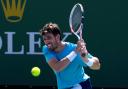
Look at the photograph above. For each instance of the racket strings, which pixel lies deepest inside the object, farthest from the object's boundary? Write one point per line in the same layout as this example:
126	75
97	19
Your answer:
76	20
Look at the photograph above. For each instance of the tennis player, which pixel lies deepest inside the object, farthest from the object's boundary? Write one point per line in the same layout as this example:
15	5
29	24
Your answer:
65	59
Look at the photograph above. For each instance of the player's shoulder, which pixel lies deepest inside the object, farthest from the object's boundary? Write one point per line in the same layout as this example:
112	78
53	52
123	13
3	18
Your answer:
69	44
45	49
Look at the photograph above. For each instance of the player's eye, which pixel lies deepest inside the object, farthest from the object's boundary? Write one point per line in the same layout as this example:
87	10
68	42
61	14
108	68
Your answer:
47	37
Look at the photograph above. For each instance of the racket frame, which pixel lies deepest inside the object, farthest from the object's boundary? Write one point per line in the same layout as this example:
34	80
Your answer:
78	33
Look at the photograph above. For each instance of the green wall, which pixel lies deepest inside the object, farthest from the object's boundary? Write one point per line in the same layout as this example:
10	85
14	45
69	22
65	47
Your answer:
105	32
107	38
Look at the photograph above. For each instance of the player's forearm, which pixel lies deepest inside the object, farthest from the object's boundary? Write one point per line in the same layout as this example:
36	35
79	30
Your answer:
62	64
93	63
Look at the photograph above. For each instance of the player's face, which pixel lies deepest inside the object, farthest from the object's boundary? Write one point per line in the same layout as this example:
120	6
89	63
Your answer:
51	41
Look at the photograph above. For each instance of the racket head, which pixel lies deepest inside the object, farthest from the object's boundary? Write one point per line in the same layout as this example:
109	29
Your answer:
75	19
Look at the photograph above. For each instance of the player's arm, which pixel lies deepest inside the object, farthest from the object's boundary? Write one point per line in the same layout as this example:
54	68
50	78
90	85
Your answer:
63	63
58	65
92	62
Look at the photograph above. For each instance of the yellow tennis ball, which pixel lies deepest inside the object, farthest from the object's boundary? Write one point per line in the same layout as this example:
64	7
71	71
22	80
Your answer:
35	71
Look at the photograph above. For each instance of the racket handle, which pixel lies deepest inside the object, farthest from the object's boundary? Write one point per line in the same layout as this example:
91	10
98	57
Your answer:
83	54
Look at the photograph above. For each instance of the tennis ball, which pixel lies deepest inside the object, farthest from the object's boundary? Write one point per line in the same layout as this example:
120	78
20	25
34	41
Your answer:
35	71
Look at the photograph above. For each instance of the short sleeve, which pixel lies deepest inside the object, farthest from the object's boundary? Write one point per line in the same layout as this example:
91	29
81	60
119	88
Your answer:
89	55
48	55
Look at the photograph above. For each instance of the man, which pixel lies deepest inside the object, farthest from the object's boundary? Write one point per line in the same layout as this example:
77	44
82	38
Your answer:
65	59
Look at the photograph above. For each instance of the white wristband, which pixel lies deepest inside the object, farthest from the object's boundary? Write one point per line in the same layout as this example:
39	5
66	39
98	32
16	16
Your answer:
71	56
90	62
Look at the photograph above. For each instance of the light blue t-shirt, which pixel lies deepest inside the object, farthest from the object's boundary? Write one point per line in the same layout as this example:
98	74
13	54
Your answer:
74	73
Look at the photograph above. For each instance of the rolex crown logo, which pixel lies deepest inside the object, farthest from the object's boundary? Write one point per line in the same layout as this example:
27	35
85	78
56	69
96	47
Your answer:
13	9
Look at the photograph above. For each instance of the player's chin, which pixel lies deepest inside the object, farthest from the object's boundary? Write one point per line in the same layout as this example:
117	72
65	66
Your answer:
51	48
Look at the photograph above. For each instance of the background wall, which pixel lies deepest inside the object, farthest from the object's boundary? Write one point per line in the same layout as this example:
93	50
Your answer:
105	32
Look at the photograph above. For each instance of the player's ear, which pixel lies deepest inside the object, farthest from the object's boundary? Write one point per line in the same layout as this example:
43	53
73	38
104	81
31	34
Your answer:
58	37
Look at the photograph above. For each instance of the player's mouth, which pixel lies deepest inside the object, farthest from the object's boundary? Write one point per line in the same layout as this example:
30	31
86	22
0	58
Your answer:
49	45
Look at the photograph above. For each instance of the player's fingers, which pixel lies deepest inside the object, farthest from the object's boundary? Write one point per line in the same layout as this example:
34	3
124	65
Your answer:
81	43
84	50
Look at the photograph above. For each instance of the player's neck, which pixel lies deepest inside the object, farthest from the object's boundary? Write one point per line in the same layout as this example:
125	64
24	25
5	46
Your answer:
60	47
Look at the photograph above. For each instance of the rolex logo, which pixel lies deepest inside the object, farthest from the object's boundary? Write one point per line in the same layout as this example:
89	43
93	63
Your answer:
13	9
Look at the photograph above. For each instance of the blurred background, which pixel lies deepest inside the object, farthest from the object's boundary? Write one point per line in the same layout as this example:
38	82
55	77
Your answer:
105	32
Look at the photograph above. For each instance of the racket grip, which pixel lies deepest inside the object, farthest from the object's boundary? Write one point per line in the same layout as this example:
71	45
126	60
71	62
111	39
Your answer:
83	54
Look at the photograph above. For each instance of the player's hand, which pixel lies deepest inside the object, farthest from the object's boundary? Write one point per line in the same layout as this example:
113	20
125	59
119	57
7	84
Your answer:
84	51
81	47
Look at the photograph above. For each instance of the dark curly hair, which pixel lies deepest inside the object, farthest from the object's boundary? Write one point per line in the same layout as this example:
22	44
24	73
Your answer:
52	28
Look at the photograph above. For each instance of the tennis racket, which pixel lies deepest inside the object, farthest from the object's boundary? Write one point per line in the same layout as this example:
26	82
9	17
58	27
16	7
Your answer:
76	21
